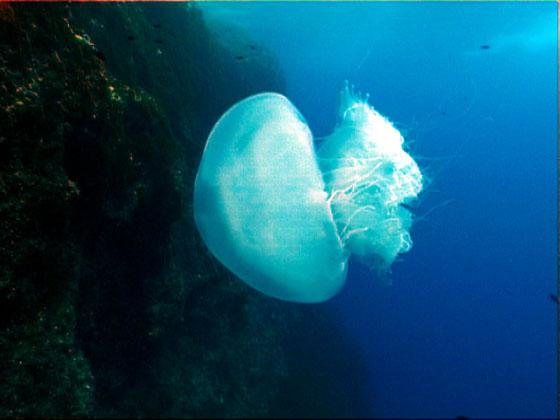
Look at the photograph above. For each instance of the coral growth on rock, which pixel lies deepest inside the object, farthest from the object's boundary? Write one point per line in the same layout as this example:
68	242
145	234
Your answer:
111	304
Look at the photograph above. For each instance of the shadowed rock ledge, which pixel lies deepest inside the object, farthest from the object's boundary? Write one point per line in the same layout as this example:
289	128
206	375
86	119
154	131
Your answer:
114	307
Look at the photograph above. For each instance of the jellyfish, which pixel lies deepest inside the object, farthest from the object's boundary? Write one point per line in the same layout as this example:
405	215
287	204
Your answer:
284	217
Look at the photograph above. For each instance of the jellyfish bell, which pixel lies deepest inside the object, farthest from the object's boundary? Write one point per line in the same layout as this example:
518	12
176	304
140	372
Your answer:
285	218
260	203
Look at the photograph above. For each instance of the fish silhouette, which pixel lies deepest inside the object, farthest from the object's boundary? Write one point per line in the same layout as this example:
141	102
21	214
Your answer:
100	55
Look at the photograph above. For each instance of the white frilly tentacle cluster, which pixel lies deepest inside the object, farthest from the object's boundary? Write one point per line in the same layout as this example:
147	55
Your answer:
369	176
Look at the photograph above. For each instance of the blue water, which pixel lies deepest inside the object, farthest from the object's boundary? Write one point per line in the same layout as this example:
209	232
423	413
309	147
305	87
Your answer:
467	327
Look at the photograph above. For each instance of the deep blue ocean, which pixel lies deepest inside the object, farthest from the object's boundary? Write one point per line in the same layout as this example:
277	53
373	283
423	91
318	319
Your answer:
467	326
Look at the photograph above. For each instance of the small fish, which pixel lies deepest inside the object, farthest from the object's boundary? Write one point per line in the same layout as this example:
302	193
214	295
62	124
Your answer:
407	206
100	55
157	25
131	37
485	47
252	47
554	298
158	41
240	57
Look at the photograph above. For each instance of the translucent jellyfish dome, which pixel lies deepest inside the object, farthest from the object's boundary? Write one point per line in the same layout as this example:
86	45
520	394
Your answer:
283	217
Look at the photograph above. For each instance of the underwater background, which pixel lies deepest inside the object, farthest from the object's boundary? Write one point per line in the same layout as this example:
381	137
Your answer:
113	305
467	326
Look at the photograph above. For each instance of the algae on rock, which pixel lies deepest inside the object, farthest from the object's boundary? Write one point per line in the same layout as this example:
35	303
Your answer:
112	305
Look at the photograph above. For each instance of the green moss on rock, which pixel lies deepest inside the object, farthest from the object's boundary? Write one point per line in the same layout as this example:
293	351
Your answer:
85	160
112	305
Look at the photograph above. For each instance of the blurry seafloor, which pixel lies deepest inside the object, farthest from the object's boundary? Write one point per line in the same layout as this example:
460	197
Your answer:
113	306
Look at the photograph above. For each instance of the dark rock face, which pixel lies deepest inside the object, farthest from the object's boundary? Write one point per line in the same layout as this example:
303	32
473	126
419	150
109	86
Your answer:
114	307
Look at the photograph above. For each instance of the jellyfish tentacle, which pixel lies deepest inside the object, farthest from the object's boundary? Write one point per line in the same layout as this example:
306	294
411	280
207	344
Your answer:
368	175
